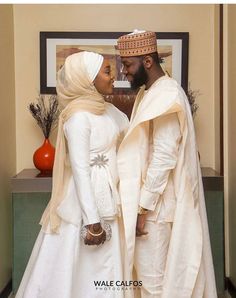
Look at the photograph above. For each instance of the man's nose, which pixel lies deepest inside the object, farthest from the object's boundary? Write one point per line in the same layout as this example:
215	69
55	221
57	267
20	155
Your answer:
123	70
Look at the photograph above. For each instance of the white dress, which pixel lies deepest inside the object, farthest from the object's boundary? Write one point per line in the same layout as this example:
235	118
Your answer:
61	265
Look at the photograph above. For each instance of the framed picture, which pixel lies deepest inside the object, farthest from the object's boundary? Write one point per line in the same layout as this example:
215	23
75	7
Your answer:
56	46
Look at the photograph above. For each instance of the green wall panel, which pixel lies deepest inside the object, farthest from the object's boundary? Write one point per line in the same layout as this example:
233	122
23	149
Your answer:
215	214
27	211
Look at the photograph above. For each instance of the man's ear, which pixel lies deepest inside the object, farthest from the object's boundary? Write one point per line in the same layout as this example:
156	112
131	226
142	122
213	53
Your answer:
147	61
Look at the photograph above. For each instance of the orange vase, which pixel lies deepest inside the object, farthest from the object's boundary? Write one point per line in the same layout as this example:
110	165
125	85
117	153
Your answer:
44	158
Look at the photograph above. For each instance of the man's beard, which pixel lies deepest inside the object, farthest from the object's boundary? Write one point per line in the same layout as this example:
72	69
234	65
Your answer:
139	78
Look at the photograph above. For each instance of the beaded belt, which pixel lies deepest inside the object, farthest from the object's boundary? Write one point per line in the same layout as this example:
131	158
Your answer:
100	160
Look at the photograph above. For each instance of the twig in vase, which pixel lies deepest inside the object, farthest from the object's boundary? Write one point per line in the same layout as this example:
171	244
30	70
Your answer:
45	112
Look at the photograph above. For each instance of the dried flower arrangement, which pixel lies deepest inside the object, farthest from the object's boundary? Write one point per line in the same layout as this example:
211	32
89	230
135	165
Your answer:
46	112
192	95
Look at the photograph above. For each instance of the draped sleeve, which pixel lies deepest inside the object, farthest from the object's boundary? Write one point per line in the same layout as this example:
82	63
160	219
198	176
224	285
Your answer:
166	139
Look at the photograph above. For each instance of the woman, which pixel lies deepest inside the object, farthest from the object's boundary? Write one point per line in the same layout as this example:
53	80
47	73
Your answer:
79	244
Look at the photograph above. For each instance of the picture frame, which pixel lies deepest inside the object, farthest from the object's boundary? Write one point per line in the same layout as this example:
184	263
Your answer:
56	46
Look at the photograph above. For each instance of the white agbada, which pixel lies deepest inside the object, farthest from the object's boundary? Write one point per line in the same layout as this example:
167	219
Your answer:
189	269
60	264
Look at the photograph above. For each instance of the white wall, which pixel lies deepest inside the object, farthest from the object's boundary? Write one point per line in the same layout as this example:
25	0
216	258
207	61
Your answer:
199	20
7	136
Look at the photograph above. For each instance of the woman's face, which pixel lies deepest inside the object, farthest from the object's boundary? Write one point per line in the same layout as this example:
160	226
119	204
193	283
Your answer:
104	80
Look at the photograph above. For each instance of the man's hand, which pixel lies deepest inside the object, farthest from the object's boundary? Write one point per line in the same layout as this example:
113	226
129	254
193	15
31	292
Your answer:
95	235
141	220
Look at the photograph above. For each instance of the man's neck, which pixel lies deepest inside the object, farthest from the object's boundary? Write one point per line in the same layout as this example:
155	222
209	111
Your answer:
157	74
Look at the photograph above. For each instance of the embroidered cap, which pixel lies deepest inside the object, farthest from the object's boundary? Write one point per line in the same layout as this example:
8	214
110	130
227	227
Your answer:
137	43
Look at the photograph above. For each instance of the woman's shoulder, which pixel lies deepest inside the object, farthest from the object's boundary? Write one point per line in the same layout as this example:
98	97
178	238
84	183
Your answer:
119	117
113	109
78	119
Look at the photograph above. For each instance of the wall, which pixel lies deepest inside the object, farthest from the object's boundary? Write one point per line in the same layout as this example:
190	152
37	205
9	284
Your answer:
7	136
216	90
29	20
230	136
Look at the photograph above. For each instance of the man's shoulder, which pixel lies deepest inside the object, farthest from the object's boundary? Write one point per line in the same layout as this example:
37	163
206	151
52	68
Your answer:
166	83
165	86
163	94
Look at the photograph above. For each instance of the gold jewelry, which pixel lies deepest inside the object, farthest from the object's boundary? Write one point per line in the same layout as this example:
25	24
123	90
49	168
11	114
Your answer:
95	235
142	210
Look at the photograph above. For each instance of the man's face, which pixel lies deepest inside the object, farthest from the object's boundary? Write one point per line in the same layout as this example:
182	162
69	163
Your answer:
134	71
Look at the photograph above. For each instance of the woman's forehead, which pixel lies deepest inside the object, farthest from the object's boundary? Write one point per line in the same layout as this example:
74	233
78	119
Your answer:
106	62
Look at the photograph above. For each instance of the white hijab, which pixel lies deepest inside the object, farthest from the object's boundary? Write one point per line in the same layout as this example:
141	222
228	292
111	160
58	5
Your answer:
75	79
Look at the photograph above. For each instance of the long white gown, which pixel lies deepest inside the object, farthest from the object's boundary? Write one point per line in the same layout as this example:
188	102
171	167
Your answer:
61	265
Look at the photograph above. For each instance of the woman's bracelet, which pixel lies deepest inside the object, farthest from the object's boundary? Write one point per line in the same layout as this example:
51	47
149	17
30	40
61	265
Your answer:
95	235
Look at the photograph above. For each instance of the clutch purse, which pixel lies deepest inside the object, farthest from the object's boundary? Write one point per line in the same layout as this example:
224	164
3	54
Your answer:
106	227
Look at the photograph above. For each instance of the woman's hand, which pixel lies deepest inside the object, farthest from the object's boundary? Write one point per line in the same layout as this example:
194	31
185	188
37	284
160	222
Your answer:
95	234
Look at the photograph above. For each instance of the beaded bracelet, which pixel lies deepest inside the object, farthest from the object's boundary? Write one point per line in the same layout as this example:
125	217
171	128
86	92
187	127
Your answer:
105	226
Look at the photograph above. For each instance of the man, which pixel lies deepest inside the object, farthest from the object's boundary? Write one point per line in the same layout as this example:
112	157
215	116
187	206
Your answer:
160	182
